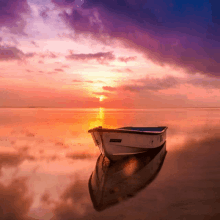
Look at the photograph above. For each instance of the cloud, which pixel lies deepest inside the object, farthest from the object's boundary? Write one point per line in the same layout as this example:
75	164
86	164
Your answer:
64	3
58	70
11	14
48	55
127	70
183	35
65	66
29	55
156	84
151	84
10	53
109	88
127	59
34	43
29	71
101	57
209	83
44	13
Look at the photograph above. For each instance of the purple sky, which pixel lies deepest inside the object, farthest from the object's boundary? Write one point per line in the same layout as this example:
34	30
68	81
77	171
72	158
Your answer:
139	48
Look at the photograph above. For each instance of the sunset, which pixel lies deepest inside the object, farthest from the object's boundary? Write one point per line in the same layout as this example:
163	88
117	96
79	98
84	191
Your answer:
59	53
109	109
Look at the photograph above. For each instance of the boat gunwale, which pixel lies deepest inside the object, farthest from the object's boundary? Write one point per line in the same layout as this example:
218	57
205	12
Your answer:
100	129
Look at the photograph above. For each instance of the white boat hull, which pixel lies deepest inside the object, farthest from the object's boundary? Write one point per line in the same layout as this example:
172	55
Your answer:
116	143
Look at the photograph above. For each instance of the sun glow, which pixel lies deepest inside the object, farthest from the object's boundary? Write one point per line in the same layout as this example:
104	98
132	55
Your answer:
101	98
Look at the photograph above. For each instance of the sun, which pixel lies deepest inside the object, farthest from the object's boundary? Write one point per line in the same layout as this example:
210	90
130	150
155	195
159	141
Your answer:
101	98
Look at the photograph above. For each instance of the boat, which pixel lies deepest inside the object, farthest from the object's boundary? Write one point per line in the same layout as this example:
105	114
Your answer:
113	182
118	143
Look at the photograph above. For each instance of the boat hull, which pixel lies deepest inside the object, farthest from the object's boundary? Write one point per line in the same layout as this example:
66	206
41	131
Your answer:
118	143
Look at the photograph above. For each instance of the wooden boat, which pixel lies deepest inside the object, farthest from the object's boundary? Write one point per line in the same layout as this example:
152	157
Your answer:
112	182
118	143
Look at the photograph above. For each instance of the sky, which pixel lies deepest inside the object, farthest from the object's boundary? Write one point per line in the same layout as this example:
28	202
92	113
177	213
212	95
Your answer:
112	54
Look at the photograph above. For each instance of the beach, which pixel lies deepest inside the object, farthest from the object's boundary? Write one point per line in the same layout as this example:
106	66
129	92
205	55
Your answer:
47	157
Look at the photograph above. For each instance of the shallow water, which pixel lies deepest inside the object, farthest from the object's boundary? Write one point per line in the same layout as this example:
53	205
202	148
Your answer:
47	157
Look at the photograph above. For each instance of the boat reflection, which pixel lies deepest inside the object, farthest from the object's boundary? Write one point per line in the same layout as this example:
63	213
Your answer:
113	182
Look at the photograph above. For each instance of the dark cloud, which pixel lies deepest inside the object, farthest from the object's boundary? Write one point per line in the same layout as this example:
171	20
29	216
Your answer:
29	55
11	14
127	59
208	83
15	202
131	88
151	84
13	53
183	34
44	12
101	57
156	84
64	2
10	53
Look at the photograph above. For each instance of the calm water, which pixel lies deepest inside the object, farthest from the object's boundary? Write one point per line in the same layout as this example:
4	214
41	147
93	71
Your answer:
47	157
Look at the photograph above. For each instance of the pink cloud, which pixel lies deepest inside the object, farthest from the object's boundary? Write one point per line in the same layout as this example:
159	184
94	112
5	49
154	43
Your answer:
101	57
10	53
127	70
109	88
34	43
127	59
58	70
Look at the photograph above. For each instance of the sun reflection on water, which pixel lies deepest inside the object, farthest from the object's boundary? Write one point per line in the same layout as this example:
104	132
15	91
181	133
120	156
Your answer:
99	120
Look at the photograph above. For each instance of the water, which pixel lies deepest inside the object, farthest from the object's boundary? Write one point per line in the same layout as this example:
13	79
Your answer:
47	158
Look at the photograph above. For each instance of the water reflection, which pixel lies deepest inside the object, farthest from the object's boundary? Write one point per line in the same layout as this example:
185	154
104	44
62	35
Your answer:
113	182
99	119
